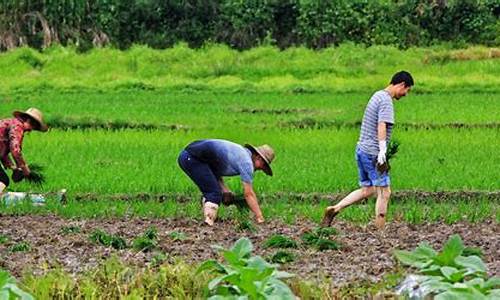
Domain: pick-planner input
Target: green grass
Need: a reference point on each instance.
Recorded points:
(131, 161)
(246, 110)
(408, 210)
(217, 67)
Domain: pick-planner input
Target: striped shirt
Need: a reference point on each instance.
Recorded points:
(379, 109)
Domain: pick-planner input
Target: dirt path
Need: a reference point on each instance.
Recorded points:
(367, 254)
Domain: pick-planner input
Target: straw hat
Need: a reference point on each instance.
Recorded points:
(35, 115)
(267, 154)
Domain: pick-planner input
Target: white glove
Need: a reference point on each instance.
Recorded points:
(382, 146)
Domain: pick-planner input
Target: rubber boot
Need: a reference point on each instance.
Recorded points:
(210, 212)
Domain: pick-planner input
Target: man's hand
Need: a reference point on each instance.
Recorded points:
(228, 198)
(381, 153)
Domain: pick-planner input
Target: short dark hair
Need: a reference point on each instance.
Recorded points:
(402, 76)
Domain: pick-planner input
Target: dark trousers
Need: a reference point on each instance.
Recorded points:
(202, 175)
(3, 177)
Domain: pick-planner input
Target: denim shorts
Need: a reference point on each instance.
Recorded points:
(368, 174)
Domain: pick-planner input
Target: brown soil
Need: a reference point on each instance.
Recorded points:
(367, 253)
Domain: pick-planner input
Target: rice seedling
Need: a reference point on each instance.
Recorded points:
(99, 236)
(282, 257)
(70, 229)
(3, 239)
(177, 236)
(20, 247)
(147, 241)
(279, 241)
(319, 239)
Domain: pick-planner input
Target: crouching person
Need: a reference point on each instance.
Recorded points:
(206, 162)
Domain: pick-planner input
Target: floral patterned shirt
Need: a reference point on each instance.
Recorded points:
(11, 140)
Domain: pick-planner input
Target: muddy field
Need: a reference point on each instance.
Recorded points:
(366, 255)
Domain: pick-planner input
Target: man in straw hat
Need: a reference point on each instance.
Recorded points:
(207, 161)
(376, 129)
(11, 139)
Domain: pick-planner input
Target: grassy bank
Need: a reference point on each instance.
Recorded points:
(215, 67)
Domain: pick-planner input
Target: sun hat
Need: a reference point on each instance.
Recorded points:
(35, 115)
(266, 153)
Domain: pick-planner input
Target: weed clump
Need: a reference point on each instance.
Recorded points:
(20, 247)
(71, 229)
(280, 241)
(282, 257)
(3, 239)
(148, 241)
(109, 240)
(319, 238)
(177, 235)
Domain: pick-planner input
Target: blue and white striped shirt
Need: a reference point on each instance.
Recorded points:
(379, 109)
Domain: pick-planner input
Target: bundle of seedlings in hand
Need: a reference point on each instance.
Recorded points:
(392, 149)
(228, 198)
(35, 177)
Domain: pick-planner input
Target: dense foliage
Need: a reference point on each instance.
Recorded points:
(245, 24)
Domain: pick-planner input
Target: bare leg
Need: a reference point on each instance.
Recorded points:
(353, 197)
(383, 195)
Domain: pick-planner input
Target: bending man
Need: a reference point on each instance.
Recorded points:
(207, 161)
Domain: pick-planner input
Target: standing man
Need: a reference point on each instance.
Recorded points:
(11, 140)
(371, 149)
(207, 161)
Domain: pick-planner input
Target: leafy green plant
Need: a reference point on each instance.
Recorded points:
(279, 241)
(9, 288)
(20, 247)
(148, 241)
(282, 257)
(177, 235)
(451, 273)
(245, 276)
(109, 240)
